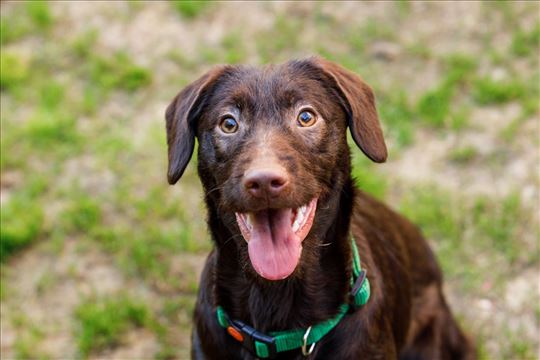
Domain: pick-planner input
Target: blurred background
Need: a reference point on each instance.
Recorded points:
(100, 257)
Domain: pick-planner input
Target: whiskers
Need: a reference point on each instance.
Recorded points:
(219, 187)
(324, 244)
(232, 238)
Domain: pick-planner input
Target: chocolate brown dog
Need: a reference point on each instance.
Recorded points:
(282, 280)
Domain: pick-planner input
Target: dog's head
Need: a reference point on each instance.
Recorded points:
(273, 150)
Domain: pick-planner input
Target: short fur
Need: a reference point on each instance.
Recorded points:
(406, 316)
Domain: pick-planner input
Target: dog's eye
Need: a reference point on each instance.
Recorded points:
(306, 118)
(228, 125)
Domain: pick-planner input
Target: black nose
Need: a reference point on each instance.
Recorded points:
(265, 182)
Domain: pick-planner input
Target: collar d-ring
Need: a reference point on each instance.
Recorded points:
(305, 351)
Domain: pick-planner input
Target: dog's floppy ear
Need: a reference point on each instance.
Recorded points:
(359, 102)
(180, 117)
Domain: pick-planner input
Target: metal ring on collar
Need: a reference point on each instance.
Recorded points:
(306, 352)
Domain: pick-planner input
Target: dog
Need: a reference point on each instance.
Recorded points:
(304, 264)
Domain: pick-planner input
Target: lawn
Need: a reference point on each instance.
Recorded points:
(100, 257)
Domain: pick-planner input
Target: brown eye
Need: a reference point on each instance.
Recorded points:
(306, 118)
(228, 125)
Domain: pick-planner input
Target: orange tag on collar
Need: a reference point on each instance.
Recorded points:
(235, 334)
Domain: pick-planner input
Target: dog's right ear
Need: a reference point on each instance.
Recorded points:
(359, 102)
(180, 116)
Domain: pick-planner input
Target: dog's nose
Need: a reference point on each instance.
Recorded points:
(265, 182)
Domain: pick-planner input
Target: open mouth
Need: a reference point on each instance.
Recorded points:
(274, 238)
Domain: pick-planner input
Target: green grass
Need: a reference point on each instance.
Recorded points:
(9, 31)
(488, 91)
(481, 232)
(463, 155)
(102, 323)
(33, 18)
(83, 44)
(459, 68)
(146, 231)
(526, 43)
(46, 129)
(365, 174)
(508, 134)
(83, 215)
(500, 222)
(435, 211)
(39, 14)
(529, 100)
(28, 339)
(71, 102)
(118, 72)
(420, 50)
(519, 348)
(191, 8)
(21, 223)
(374, 30)
(437, 106)
(27, 344)
(272, 46)
(398, 118)
(51, 95)
(14, 70)
(234, 49)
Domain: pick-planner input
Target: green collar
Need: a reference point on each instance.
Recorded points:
(267, 346)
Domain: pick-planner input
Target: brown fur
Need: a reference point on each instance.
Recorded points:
(406, 316)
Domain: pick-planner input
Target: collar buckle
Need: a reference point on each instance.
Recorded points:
(259, 344)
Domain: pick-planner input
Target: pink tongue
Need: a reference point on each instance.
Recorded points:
(274, 249)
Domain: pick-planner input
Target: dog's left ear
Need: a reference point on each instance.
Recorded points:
(359, 101)
(181, 116)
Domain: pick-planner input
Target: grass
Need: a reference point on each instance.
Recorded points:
(83, 44)
(463, 155)
(488, 91)
(519, 348)
(398, 118)
(40, 14)
(524, 43)
(365, 174)
(51, 95)
(82, 216)
(272, 46)
(102, 323)
(21, 223)
(234, 49)
(373, 30)
(481, 232)
(46, 129)
(33, 18)
(26, 345)
(118, 72)
(436, 107)
(82, 135)
(500, 222)
(14, 70)
(191, 8)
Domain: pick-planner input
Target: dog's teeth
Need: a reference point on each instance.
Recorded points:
(300, 218)
(249, 221)
(295, 225)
